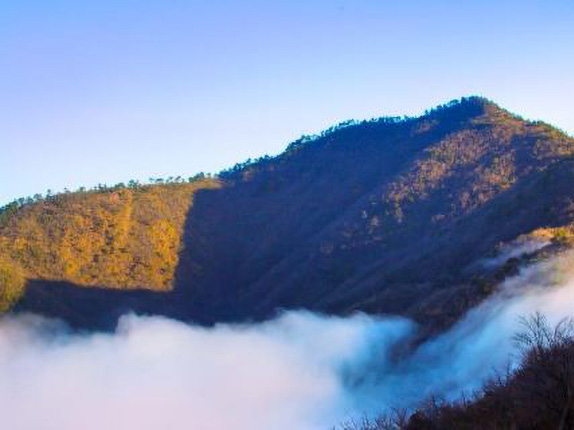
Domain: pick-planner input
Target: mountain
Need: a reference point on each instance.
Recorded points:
(385, 216)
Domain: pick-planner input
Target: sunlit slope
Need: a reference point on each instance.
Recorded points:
(126, 239)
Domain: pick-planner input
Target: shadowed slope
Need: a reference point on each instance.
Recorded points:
(375, 216)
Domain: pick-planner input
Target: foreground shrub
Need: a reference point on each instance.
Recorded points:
(538, 395)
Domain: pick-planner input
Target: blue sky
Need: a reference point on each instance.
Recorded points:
(110, 90)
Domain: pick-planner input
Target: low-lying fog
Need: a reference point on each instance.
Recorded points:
(300, 371)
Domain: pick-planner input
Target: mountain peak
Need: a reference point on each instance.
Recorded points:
(465, 107)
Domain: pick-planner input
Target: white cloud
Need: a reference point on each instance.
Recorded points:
(298, 372)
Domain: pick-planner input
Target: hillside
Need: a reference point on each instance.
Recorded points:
(125, 238)
(385, 216)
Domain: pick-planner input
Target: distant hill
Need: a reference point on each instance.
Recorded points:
(384, 216)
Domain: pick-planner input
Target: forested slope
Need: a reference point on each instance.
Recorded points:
(384, 216)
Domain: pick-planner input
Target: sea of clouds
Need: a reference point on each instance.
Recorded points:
(300, 371)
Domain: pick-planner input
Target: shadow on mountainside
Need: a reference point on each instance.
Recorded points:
(89, 307)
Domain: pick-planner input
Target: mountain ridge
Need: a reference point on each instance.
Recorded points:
(377, 216)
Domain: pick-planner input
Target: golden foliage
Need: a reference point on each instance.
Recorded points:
(129, 238)
(11, 283)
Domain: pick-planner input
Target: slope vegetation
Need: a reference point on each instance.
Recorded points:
(384, 215)
(126, 238)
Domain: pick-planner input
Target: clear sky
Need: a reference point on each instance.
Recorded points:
(109, 90)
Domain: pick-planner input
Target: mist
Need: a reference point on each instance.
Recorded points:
(299, 371)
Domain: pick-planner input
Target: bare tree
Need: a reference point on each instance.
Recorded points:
(395, 419)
